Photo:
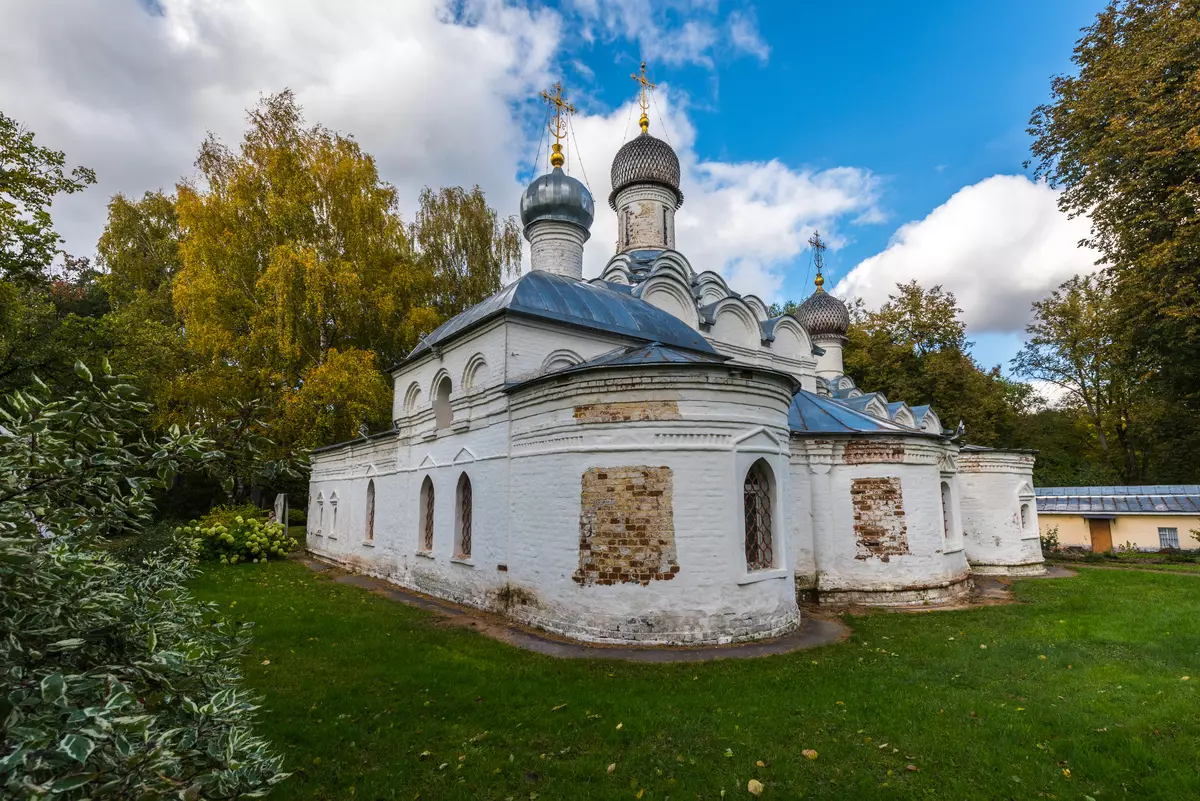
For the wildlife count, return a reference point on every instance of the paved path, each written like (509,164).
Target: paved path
(813,631)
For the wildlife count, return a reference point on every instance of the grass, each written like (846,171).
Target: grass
(1185,562)
(1077,693)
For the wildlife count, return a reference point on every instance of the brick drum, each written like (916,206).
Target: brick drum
(879,523)
(626,526)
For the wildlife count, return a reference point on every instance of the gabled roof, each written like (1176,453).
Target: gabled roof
(632,356)
(813,414)
(575,303)
(1163,499)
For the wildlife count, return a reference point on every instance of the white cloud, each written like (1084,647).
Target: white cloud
(650,24)
(998,245)
(437,99)
(743,33)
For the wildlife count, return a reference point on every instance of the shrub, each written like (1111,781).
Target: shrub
(114,681)
(1050,539)
(159,539)
(227,537)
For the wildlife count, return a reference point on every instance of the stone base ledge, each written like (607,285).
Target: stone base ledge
(947,592)
(1023,569)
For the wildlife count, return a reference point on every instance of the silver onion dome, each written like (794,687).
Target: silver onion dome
(823,314)
(557,196)
(645,159)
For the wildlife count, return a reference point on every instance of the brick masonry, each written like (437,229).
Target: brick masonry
(626,526)
(880,528)
(625,412)
(866,451)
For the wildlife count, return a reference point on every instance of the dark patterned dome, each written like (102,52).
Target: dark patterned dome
(645,159)
(824,314)
(557,196)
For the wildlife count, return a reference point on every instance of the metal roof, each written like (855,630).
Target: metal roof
(632,356)
(822,313)
(557,196)
(576,303)
(814,414)
(645,159)
(1178,499)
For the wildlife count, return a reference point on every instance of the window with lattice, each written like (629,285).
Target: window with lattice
(463,546)
(756,502)
(370,510)
(426,512)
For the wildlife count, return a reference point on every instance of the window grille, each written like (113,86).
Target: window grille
(371,509)
(756,496)
(427,516)
(464,516)
(1168,538)
(945,511)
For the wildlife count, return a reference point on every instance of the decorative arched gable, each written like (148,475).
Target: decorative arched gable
(412,397)
(755,303)
(735,324)
(670,293)
(790,339)
(711,287)
(560,359)
(475,374)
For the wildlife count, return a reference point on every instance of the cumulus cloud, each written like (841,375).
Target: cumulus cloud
(130,89)
(998,245)
(650,23)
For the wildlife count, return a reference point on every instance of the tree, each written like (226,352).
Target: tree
(117,683)
(914,348)
(31,177)
(1122,140)
(139,251)
(1073,345)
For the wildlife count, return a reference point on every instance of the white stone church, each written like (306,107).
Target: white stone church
(650,457)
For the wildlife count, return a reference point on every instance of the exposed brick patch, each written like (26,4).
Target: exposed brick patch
(866,451)
(879,524)
(627,411)
(626,526)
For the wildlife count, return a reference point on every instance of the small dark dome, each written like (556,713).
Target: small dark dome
(645,159)
(557,196)
(824,314)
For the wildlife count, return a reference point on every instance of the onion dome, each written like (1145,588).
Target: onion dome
(824,315)
(557,196)
(645,160)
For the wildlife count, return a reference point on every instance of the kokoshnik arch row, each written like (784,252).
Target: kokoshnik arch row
(649,456)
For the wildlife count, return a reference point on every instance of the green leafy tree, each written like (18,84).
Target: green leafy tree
(1121,137)
(116,682)
(31,176)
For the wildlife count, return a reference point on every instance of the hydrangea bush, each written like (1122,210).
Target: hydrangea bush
(114,681)
(229,539)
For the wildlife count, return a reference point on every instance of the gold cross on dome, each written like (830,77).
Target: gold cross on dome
(644,121)
(558,122)
(818,247)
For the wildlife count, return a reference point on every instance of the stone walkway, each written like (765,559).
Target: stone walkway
(813,632)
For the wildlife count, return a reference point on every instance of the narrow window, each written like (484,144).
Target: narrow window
(427,514)
(756,500)
(664,226)
(1024,517)
(320,512)
(371,510)
(946,510)
(442,415)
(463,546)
(1168,538)
(333,513)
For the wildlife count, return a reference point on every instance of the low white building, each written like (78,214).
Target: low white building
(649,456)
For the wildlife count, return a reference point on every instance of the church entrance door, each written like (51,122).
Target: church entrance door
(1101,535)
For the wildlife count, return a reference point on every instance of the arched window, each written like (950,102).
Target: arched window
(946,529)
(426,512)
(756,501)
(333,513)
(320,512)
(462,547)
(1025,517)
(442,415)
(371,510)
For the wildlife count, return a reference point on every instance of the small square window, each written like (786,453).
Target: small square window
(1168,538)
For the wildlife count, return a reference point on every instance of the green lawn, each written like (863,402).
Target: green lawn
(1078,693)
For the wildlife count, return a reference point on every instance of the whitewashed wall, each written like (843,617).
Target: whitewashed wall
(994,486)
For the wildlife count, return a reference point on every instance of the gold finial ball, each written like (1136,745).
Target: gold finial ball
(557,158)
(644,122)
(820,282)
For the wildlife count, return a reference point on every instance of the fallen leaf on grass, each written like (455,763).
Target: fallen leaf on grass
(612,767)
(555,709)
(754,787)
(1181,678)
(266,661)
(809,753)
(1042,656)
(912,768)
(729,752)
(984,647)
(620,725)
(1067,772)
(760,764)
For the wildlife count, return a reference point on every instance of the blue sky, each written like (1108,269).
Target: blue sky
(930,96)
(896,129)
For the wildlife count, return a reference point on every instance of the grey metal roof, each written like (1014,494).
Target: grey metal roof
(814,414)
(859,403)
(645,159)
(822,313)
(557,196)
(632,356)
(575,303)
(1162,499)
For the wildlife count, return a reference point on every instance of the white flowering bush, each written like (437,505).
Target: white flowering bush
(114,681)
(230,539)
